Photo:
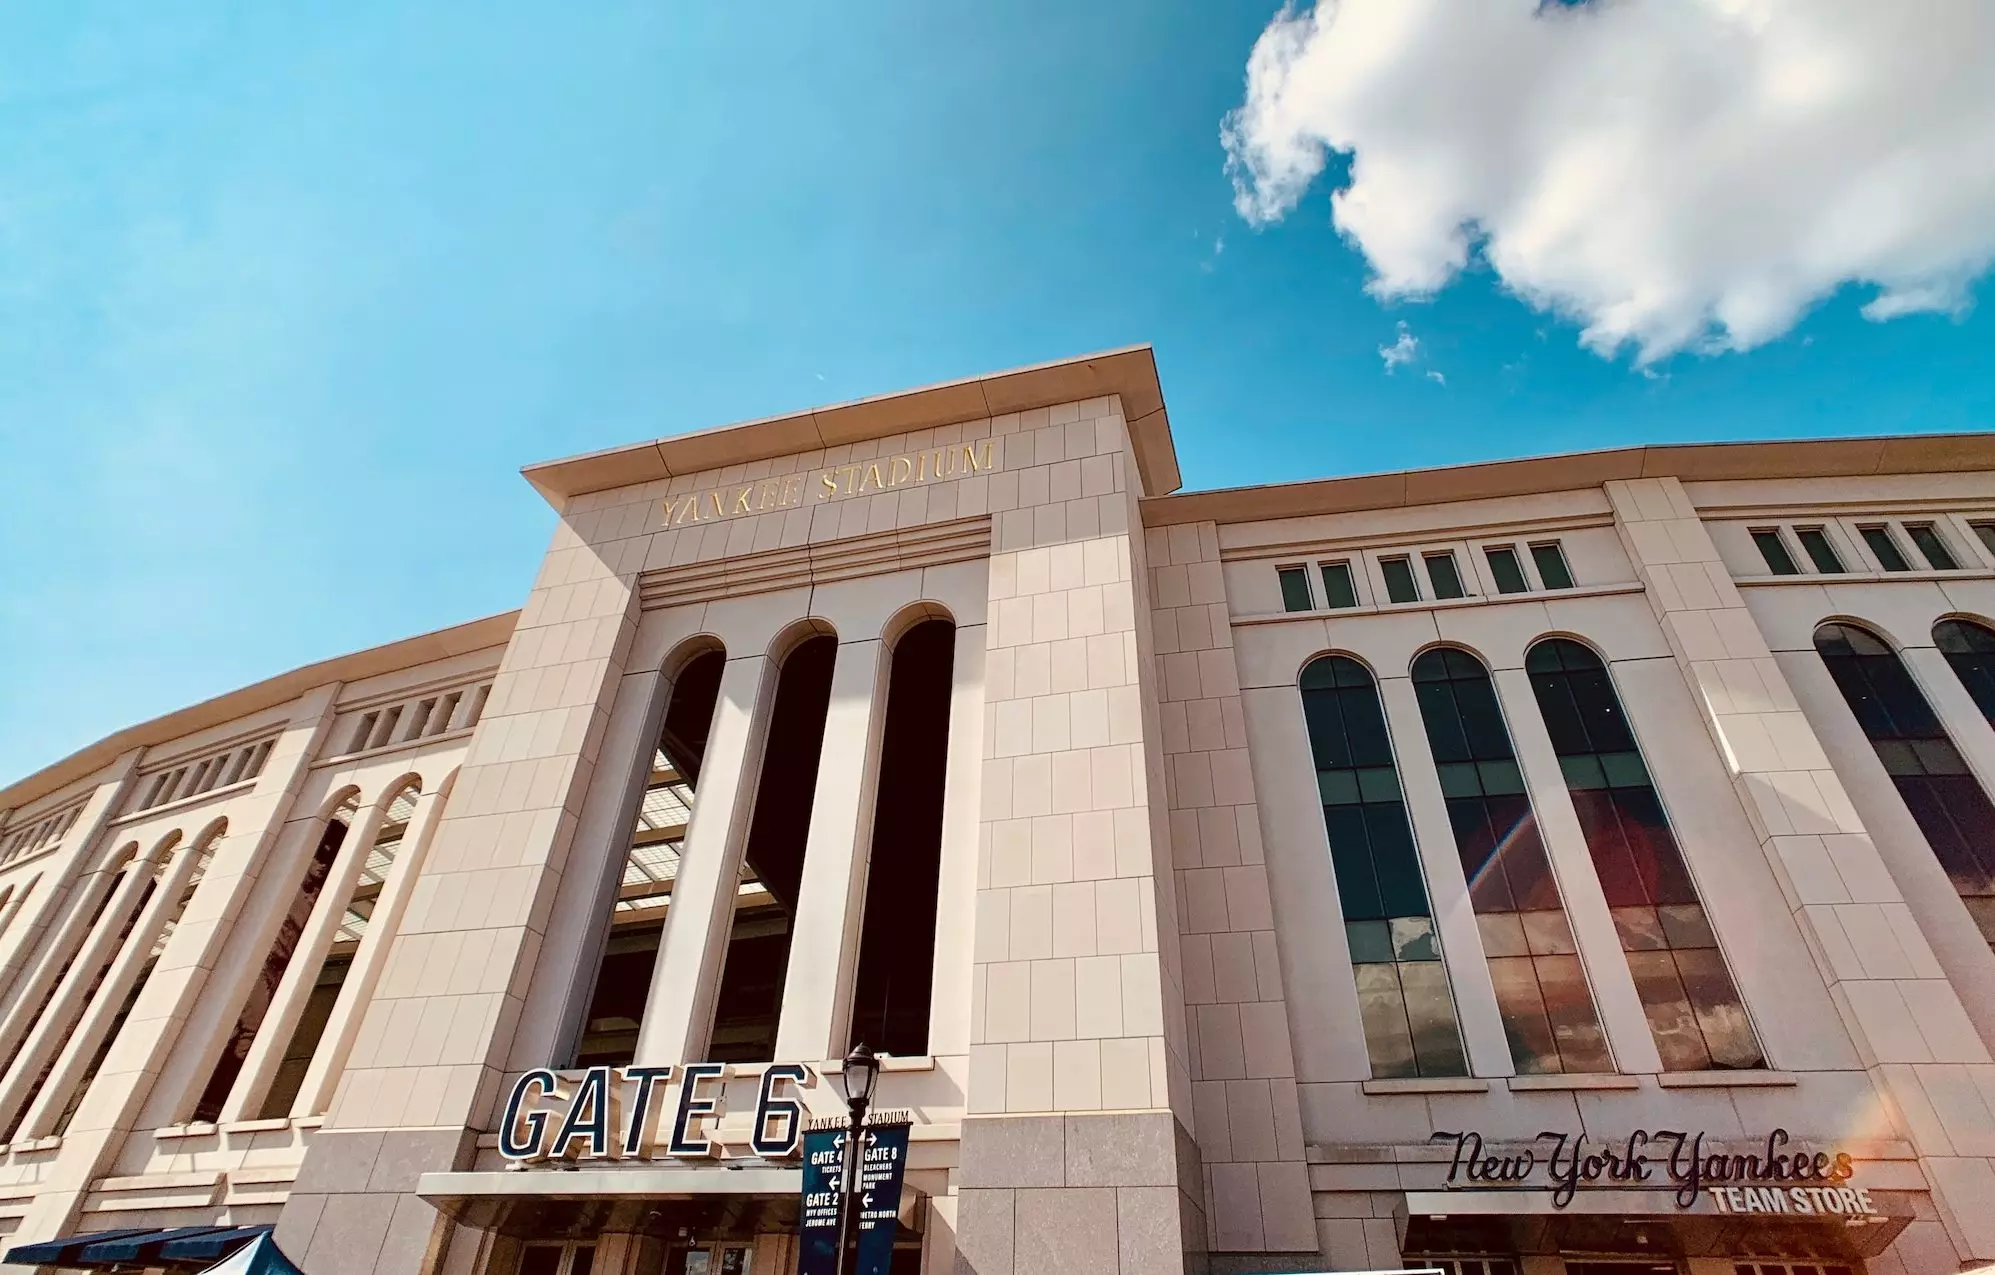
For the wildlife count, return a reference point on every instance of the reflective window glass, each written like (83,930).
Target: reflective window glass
(1881,543)
(1541,989)
(1932,546)
(1338,590)
(1295,589)
(1443,575)
(1693,1006)
(1774,550)
(1970,650)
(1552,568)
(1930,774)
(1404,1001)
(1399,583)
(1506,570)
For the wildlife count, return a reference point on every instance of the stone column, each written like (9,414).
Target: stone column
(1077,1007)
(151,1067)
(364,975)
(1930,1068)
(287,1003)
(678,1014)
(824,938)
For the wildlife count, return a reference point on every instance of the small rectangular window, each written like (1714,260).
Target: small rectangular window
(1932,545)
(1815,542)
(1774,549)
(1986,530)
(1339,591)
(1889,556)
(1552,569)
(1295,589)
(1508,572)
(1441,573)
(1399,583)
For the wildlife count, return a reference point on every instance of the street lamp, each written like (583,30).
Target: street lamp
(862,1071)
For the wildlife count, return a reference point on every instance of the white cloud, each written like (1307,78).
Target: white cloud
(1405,350)
(1436,377)
(1673,174)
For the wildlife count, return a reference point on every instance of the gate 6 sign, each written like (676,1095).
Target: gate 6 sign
(646,1113)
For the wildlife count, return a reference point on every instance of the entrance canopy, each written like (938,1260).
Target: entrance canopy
(183,1248)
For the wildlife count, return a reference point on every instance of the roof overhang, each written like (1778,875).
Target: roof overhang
(1129,373)
(1687,462)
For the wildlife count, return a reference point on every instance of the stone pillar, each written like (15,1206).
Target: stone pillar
(372,955)
(679,1012)
(287,1003)
(824,939)
(30,915)
(427,1063)
(1930,1068)
(152,1064)
(1243,1073)
(1077,1006)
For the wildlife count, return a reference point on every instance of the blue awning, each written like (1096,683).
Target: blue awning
(197,1246)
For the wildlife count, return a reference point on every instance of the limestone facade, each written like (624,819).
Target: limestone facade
(1151,1023)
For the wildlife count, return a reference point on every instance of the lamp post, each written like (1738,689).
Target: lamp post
(862,1070)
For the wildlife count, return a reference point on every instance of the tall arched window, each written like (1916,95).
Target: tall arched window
(1970,649)
(1403,994)
(897,941)
(1541,991)
(338,960)
(98,900)
(235,1051)
(750,998)
(1693,1007)
(204,854)
(650,866)
(1929,772)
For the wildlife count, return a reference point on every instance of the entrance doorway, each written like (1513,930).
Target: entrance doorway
(711,1259)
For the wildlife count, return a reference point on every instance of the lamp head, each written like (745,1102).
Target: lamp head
(862,1071)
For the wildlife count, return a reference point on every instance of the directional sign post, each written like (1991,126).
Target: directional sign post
(824,1159)
(879,1200)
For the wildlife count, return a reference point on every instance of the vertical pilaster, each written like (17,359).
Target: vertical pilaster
(678,1013)
(1908,1025)
(817,989)
(1077,1006)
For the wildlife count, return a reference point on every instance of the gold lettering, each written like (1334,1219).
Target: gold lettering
(793,490)
(690,511)
(668,502)
(741,501)
(830,481)
(766,494)
(900,471)
(872,477)
(970,459)
(718,512)
(945,463)
(921,474)
(851,473)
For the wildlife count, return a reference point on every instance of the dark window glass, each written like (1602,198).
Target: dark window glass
(636,920)
(1986,531)
(1888,555)
(1541,990)
(1443,575)
(903,875)
(1403,997)
(1932,545)
(1508,572)
(1815,542)
(1399,585)
(1693,1007)
(750,999)
(1970,650)
(1774,550)
(1552,569)
(1338,590)
(1929,772)
(1295,589)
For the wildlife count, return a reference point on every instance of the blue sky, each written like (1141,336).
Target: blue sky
(287,295)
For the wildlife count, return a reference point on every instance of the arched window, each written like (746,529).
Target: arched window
(1693,1007)
(1541,990)
(204,854)
(333,969)
(750,998)
(903,875)
(1970,649)
(1403,994)
(650,866)
(1929,772)
(235,1051)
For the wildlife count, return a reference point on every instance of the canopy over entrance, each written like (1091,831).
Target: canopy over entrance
(249,1250)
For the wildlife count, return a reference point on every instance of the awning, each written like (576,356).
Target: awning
(188,1247)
